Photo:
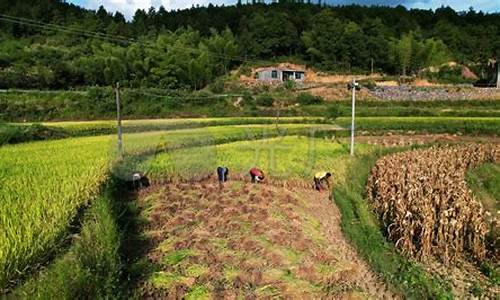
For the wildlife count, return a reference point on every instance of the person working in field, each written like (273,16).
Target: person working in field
(222,174)
(256,174)
(321,178)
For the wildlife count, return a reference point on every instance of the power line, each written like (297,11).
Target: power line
(188,97)
(33,23)
(115,38)
(122,39)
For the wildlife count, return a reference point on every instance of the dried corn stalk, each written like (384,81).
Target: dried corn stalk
(423,201)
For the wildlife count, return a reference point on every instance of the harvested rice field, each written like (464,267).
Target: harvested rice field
(249,241)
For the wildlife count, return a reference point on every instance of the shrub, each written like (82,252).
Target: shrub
(245,70)
(11,134)
(247,96)
(217,86)
(368,83)
(265,100)
(333,112)
(289,85)
(201,98)
(448,75)
(308,99)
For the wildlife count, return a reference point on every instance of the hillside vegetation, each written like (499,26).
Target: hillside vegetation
(190,48)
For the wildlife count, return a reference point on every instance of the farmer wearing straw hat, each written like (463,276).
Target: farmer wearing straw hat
(320,178)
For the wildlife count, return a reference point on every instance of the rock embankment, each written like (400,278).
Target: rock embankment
(435,93)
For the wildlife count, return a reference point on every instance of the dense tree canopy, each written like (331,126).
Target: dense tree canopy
(190,48)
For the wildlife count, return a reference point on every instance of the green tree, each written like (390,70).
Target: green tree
(269,34)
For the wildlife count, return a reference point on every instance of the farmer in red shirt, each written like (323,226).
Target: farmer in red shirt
(256,174)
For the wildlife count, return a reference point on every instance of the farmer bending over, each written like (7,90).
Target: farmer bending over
(222,173)
(256,174)
(320,178)
(137,181)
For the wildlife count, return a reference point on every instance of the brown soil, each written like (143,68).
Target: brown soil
(397,140)
(338,78)
(339,93)
(424,83)
(311,75)
(252,241)
(462,277)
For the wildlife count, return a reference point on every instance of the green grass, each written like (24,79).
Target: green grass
(290,157)
(457,108)
(462,125)
(107,127)
(98,103)
(361,227)
(16,133)
(484,182)
(13,133)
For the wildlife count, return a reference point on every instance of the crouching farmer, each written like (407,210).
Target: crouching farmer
(138,181)
(320,179)
(222,174)
(256,174)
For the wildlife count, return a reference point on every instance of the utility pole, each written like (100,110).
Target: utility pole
(353,86)
(372,67)
(119,120)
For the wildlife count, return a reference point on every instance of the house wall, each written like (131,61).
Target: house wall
(266,75)
(498,75)
(302,77)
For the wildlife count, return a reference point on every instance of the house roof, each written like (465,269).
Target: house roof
(283,67)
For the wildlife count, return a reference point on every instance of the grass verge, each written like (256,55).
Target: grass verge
(484,181)
(485,184)
(14,133)
(361,227)
(463,125)
(92,265)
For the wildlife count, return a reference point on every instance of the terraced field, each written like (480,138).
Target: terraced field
(62,236)
(290,158)
(44,184)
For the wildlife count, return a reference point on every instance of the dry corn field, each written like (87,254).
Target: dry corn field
(424,203)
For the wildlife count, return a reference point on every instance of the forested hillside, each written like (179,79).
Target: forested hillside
(190,48)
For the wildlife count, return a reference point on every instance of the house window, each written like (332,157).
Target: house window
(298,75)
(274,74)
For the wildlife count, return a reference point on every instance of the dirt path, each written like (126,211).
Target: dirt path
(322,208)
(251,241)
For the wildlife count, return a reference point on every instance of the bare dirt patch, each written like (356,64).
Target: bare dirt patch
(252,241)
(400,140)
(339,93)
